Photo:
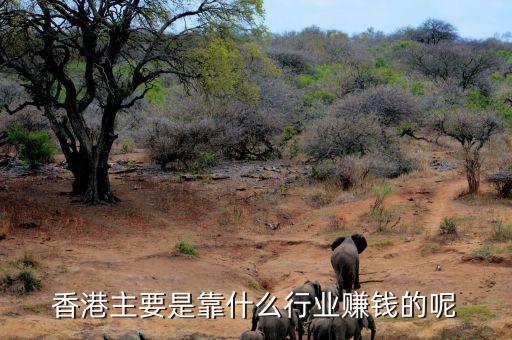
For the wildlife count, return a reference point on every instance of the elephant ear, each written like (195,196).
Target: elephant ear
(360,242)
(317,288)
(337,242)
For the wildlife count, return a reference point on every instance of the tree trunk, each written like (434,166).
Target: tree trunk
(473,173)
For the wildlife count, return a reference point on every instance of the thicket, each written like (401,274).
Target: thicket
(347,105)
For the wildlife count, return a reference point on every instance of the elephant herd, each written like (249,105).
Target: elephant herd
(345,262)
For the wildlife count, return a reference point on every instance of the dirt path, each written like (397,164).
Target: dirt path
(131,247)
(442,202)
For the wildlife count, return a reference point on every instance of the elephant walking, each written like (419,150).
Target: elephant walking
(305,295)
(274,327)
(340,328)
(345,261)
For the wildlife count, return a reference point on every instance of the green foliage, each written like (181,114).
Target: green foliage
(24,281)
(402,44)
(205,160)
(447,227)
(322,72)
(320,95)
(486,253)
(387,75)
(419,88)
(288,133)
(186,248)
(226,65)
(127,145)
(505,54)
(380,192)
(34,147)
(290,141)
(477,100)
(157,95)
(478,311)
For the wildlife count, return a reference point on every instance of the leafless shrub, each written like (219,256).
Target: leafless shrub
(335,137)
(294,60)
(351,150)
(247,133)
(170,141)
(390,104)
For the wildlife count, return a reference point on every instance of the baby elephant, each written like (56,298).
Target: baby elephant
(305,294)
(338,328)
(273,327)
(345,261)
(252,335)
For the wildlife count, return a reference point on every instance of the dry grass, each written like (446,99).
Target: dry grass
(501,232)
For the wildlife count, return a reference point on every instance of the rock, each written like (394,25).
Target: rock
(4,188)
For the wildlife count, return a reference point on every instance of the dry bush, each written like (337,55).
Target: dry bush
(351,150)
(170,141)
(392,105)
(29,119)
(336,137)
(294,60)
(247,133)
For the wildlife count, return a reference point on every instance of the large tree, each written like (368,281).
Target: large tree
(73,55)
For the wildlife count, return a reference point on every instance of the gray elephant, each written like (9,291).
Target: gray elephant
(313,289)
(340,328)
(252,335)
(273,327)
(333,291)
(345,261)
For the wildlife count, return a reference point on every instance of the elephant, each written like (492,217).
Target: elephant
(333,291)
(252,335)
(314,290)
(276,328)
(340,328)
(345,261)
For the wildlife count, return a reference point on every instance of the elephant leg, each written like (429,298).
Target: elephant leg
(300,330)
(339,280)
(357,285)
(292,333)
